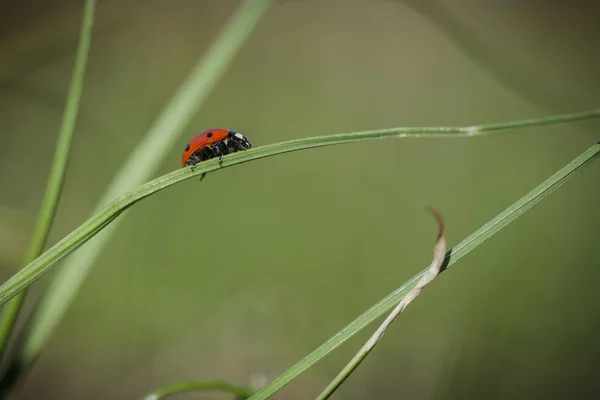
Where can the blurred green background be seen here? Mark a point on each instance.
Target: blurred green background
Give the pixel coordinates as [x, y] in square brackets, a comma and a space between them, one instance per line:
[244, 274]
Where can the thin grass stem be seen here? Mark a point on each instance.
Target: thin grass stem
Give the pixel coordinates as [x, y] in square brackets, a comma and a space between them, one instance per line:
[57, 170]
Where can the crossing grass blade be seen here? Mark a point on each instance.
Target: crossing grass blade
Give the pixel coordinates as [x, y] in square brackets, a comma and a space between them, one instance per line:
[459, 251]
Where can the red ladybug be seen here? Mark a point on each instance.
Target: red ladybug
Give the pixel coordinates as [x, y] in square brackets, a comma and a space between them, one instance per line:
[213, 143]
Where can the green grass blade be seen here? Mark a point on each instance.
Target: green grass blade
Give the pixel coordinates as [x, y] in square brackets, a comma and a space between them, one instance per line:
[57, 171]
[141, 164]
[87, 230]
[462, 249]
[239, 391]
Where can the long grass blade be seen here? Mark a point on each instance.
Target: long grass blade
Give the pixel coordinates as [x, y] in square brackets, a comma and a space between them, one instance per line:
[462, 249]
[57, 170]
[95, 224]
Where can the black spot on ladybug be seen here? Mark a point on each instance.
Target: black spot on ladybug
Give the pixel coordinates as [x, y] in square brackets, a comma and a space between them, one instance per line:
[209, 134]
[187, 147]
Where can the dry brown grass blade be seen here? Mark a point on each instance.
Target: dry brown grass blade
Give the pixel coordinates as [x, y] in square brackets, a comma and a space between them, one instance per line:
[439, 254]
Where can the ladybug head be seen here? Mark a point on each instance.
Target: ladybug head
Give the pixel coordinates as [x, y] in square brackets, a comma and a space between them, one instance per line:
[240, 139]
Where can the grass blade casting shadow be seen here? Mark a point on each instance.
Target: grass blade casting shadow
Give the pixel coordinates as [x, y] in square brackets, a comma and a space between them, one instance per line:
[57, 171]
[439, 256]
[83, 233]
[462, 249]
[140, 166]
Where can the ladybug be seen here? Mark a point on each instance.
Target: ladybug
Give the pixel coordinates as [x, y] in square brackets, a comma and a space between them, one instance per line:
[213, 143]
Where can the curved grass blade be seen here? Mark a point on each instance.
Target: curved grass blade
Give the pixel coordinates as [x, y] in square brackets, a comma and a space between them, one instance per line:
[462, 249]
[57, 171]
[92, 226]
[240, 392]
[95, 224]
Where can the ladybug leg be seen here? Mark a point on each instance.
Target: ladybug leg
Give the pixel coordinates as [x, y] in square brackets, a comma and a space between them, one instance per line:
[194, 166]
[219, 150]
[202, 176]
